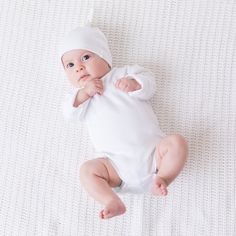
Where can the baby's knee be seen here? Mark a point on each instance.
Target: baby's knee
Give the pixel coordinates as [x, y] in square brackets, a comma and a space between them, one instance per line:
[90, 168]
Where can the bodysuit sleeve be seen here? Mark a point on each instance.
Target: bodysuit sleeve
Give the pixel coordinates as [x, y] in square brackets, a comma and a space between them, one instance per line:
[70, 112]
[145, 78]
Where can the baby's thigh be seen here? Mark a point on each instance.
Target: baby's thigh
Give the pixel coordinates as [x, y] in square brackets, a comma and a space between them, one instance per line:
[113, 178]
[103, 168]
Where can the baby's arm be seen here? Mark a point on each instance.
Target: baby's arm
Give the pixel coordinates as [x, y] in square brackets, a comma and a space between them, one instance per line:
[138, 82]
[80, 98]
[75, 104]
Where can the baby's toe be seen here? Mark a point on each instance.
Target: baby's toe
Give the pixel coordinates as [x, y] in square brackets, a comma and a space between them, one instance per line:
[105, 213]
[164, 190]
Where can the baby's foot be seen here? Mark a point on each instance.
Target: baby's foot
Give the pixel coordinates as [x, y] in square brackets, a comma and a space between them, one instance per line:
[112, 209]
[159, 187]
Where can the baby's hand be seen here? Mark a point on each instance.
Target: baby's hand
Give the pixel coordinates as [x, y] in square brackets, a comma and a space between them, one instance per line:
[127, 84]
[94, 86]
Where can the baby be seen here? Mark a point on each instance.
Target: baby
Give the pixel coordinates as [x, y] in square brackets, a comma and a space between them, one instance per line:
[132, 154]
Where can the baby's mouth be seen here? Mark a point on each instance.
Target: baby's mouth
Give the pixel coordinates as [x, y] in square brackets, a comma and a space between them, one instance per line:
[84, 77]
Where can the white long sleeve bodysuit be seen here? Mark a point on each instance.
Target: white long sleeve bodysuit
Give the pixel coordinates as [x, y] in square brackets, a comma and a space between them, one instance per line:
[122, 126]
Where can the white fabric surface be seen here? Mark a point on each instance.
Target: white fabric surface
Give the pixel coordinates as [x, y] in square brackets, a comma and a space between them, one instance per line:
[189, 45]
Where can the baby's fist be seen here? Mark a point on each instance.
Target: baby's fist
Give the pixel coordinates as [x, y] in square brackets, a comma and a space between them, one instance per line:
[127, 84]
[94, 86]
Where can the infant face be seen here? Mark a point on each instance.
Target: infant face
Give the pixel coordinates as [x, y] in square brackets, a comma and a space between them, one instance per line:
[81, 66]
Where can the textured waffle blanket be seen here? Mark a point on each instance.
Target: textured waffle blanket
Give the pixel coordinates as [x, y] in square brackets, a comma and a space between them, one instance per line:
[189, 45]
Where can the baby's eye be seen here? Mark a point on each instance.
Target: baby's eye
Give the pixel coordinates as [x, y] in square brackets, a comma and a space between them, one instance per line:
[85, 58]
[69, 65]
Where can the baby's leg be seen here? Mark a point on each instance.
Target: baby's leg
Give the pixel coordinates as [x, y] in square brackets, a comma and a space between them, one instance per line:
[171, 154]
[97, 177]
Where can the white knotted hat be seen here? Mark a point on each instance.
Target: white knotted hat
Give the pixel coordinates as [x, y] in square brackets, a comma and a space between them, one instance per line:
[87, 38]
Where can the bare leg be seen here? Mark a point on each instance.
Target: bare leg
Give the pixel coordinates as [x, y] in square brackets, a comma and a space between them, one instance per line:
[97, 177]
[170, 156]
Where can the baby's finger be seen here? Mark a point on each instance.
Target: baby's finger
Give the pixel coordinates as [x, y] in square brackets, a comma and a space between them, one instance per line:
[117, 84]
[98, 83]
[124, 86]
[100, 92]
[126, 89]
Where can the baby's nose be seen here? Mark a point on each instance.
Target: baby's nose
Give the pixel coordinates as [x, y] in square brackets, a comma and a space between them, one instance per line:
[80, 68]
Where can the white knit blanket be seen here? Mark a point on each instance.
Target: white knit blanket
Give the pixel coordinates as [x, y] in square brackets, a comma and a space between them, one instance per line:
[189, 45]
